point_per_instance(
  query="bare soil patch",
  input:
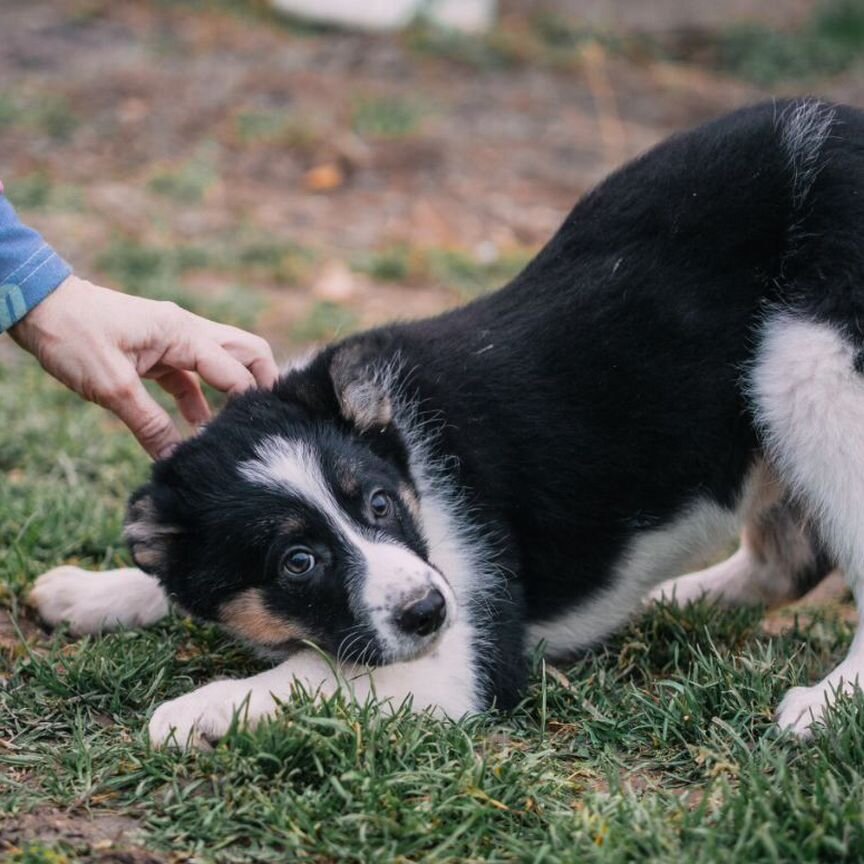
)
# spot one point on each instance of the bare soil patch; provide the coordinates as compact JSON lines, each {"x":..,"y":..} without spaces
{"x":106,"y":838}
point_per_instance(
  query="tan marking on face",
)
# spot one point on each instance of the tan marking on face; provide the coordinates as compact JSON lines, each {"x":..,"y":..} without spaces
{"x":147,"y":556}
{"x":409,"y":498}
{"x":247,"y":616}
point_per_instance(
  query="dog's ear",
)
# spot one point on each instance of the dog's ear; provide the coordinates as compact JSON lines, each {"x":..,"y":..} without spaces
{"x":362,"y":394}
{"x":148,"y":532}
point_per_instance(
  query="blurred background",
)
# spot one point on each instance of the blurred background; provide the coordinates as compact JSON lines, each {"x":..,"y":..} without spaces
{"x":306,"y":179}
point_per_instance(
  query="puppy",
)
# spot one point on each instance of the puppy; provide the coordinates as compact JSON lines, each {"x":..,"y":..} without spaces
{"x":417,"y":507}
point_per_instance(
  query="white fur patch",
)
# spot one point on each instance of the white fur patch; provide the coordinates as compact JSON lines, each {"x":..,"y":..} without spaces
{"x":810,"y":404}
{"x":395,"y":577}
{"x":441,"y":681}
{"x":98,"y":602}
{"x":731,"y":582}
{"x":651,"y":558}
{"x":458,"y":548}
{"x":740,"y":580}
{"x":290,"y":465}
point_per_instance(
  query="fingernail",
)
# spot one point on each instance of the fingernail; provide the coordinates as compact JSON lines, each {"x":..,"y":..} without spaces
{"x":167,"y":451}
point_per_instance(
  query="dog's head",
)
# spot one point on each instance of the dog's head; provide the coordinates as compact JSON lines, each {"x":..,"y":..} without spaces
{"x":294,"y":516}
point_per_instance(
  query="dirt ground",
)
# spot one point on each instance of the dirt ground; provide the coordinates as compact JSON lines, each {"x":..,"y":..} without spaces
{"x":175,"y":124}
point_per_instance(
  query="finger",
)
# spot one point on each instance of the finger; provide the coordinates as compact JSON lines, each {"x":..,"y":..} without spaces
{"x":146,"y":420}
{"x":222,"y":371}
{"x":264,"y":370}
{"x":199,"y":345}
{"x":211,"y":361}
{"x":250,"y":350}
{"x":186,"y":389}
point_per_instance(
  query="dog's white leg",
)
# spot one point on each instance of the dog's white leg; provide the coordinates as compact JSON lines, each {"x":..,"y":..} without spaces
{"x":94,"y":602}
{"x":444,"y":681}
{"x":778,"y":561}
{"x":810,"y":403}
{"x":730,"y":583}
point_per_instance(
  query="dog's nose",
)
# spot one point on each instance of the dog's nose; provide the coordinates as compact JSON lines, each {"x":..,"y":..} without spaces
{"x":423,"y":616}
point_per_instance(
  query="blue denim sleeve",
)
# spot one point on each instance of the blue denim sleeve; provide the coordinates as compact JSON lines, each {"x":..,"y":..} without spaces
{"x":29,"y":268}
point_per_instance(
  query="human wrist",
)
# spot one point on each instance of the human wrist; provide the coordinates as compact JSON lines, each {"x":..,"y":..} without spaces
{"x":40,"y":322}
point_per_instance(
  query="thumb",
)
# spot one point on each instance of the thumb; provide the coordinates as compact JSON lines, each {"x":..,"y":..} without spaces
{"x":146,"y":419}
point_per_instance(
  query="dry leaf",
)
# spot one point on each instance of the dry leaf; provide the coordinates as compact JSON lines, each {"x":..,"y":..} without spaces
{"x":324,"y":178}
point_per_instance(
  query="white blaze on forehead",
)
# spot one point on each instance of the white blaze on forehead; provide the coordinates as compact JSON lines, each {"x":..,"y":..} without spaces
{"x":292,"y":466}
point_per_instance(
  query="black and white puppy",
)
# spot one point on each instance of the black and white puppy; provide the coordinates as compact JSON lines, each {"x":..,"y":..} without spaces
{"x":428,"y":501}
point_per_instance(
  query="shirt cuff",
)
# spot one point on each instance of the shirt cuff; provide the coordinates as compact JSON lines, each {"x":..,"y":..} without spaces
{"x":46,"y":272}
{"x":29,"y":268}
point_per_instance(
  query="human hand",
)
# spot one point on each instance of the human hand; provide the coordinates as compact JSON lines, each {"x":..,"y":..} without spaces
{"x":101,"y":343}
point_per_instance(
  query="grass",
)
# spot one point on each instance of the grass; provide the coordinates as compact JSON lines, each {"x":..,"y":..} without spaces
{"x":189,"y":182}
{"x":276,"y":127}
{"x":46,"y":114}
{"x":495,"y":51}
{"x":383,"y":117}
{"x":454,"y":268}
{"x":38,"y":192}
{"x":831,"y":40}
{"x":657,"y":747}
{"x":325,"y":321}
{"x":161,"y":273}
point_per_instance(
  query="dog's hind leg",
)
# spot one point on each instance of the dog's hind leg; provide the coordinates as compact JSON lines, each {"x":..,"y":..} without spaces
{"x":808,"y":396}
{"x":98,"y":602}
{"x":780,"y":559}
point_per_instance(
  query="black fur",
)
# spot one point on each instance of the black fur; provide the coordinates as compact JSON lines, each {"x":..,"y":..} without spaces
{"x":595,"y":397}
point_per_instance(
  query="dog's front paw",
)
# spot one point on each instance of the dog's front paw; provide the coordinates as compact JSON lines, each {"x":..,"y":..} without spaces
{"x":205,"y":715}
{"x":804,"y":707}
{"x":93,"y":602}
{"x":800,"y":709}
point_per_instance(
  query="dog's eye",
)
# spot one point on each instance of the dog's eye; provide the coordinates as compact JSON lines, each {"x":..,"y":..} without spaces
{"x":380,"y":504}
{"x":298,"y":561}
